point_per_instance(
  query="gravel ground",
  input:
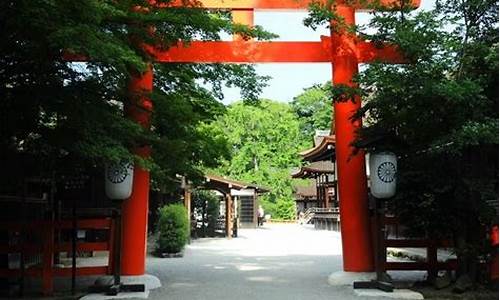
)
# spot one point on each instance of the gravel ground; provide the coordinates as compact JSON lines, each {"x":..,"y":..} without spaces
{"x":277,"y":261}
{"x":274,"y":262}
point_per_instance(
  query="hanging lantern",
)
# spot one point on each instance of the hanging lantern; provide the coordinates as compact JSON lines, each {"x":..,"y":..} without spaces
{"x":118,"y":179}
{"x":383,"y":169}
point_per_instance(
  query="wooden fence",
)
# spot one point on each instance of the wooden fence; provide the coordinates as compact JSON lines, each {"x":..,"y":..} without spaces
{"x":45,"y":245}
{"x":431,"y":263}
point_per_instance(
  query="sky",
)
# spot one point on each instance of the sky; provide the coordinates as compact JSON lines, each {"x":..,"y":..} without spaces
{"x":290,"y":79}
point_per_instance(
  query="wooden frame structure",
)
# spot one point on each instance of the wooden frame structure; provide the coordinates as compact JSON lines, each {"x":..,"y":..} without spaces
{"x":323,"y":172}
{"x":46,"y":230}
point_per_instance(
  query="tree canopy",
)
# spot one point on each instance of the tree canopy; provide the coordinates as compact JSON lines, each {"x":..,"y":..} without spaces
{"x":264,"y":140}
{"x":314,"y":109}
{"x":439,"y":113}
{"x":60,"y":111}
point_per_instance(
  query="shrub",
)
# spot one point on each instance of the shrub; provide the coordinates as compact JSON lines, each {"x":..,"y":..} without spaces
{"x":285,"y":209}
{"x":173,"y":228}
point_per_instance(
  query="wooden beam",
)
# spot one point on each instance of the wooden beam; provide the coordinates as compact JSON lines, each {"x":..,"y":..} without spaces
{"x":369,"y":52}
{"x":277,"y":4}
{"x":270,"y":52}
{"x":242,"y":52}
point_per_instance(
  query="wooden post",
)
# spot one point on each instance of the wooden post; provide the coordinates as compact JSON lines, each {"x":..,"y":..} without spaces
{"x":187,"y":205}
{"x":47,"y":260}
{"x":327,"y":202}
{"x":111,"y":246}
{"x":432,"y":261}
{"x":255,"y":209}
{"x":229,"y":215}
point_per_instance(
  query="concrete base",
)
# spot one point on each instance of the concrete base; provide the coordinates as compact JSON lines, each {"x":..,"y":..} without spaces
{"x":151,"y":282}
{"x":140,"y":295}
{"x":397,"y":294}
{"x":347,"y":278}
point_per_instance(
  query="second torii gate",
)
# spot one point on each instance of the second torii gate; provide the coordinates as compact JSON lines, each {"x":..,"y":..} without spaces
{"x":342,"y":49}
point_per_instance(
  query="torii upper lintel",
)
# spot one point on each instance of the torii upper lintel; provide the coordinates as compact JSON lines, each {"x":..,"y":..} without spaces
{"x":284,"y":4}
{"x":270,"y":52}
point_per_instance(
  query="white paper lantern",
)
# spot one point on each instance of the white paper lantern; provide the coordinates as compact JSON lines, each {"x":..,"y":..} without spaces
{"x":383,"y":169}
{"x":118,"y":179}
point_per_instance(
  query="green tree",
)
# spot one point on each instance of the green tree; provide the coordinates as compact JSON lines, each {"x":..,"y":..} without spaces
{"x":265,"y":140}
{"x":65,"y":112}
{"x":439,"y":113}
{"x":314,"y":109}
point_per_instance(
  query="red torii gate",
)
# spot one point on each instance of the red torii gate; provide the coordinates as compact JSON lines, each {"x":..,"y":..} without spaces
{"x":343,"y":50}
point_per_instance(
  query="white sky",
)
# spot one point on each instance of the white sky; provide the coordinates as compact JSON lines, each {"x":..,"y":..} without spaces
{"x":289,"y":80}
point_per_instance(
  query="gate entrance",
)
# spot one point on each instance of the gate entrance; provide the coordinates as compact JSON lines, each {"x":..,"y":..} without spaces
{"x":343,"y":49}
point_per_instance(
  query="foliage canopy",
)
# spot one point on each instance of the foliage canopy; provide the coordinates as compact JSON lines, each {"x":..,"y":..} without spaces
{"x":61,"y":111}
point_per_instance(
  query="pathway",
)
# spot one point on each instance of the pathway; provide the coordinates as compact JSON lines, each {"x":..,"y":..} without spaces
{"x":273,"y":262}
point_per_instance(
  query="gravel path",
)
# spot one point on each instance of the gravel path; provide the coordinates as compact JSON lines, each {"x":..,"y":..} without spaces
{"x":274,"y":262}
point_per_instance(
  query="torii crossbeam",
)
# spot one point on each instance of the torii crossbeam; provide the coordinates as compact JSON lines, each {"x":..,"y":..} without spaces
{"x":343,"y":50}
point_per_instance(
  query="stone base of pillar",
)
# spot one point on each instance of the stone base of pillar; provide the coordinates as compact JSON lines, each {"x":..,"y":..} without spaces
{"x":347,"y":278}
{"x":150,"y":282}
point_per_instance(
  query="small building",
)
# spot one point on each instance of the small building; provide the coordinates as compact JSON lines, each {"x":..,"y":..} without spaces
{"x":321,"y":169}
{"x":241,"y":201}
{"x":323,"y":173}
{"x":246,"y":203}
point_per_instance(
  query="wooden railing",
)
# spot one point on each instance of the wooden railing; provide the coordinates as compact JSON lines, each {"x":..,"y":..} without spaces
{"x":46,"y":246}
{"x":431,"y":263}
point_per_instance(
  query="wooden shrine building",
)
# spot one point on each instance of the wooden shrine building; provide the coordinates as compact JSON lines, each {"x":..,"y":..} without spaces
{"x":241,"y":201}
{"x":323,"y":172}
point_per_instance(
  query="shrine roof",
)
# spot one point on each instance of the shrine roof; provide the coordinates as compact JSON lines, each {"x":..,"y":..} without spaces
{"x":322,"y":151}
{"x":315,"y":168}
{"x":225,"y":184}
{"x":305,"y":191}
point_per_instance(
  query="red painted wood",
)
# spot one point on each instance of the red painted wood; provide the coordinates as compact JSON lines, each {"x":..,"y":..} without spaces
{"x":65,"y":224}
{"x":81,"y":271}
{"x":244,"y":52}
{"x":66,"y":247}
{"x":278,"y":4}
{"x":369,"y":52}
{"x":264,"y":52}
{"x":26,"y":249}
{"x":135,"y":209}
{"x":57,"y":272}
{"x":84,"y":224}
{"x":47,"y":261}
{"x":12,"y":273}
{"x":357,"y":252}
{"x":270,"y":52}
{"x":111,"y":247}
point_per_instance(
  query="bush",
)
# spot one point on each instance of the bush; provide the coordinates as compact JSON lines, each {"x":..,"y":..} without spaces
{"x":173,"y":228}
{"x":285,"y":209}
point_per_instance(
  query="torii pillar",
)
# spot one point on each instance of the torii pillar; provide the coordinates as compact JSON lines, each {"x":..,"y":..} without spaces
{"x":357,"y":251}
{"x":135,"y":209}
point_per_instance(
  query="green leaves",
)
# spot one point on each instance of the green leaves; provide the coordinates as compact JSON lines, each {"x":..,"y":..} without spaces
{"x":314,"y":109}
{"x":264,"y":140}
{"x":439,"y":112}
{"x":62,"y":109}
{"x":173,"y":228}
